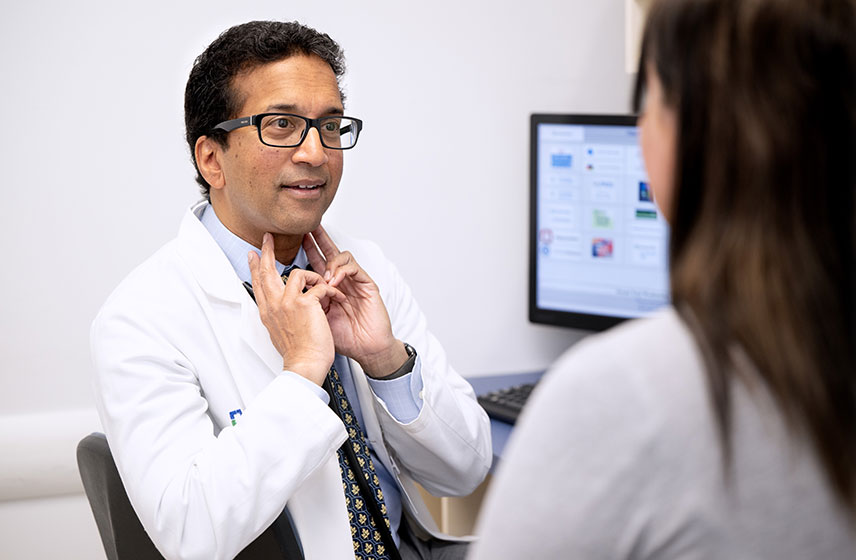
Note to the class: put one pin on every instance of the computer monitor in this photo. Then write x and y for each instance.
(598, 244)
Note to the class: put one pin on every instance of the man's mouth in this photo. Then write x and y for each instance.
(305, 186)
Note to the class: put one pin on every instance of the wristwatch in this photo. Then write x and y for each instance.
(406, 368)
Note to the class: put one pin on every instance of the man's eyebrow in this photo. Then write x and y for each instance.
(290, 108)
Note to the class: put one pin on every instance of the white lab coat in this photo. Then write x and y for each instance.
(179, 349)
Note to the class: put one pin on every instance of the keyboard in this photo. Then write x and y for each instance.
(506, 404)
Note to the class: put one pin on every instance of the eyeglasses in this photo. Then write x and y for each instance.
(286, 130)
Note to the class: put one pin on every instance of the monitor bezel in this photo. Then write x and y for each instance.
(584, 321)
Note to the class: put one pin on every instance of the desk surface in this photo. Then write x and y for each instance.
(500, 431)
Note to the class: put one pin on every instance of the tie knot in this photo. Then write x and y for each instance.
(286, 272)
(291, 268)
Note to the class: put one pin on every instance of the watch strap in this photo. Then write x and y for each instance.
(406, 368)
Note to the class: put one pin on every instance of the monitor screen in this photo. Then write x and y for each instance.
(598, 244)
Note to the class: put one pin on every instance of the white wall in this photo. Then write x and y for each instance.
(95, 175)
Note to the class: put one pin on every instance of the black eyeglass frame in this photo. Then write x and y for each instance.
(256, 120)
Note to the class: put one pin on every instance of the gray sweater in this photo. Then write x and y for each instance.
(617, 457)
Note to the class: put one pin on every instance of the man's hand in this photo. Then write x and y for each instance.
(295, 319)
(359, 322)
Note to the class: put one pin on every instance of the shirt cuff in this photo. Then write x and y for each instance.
(322, 394)
(402, 395)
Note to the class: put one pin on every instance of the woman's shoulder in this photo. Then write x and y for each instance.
(649, 369)
(644, 346)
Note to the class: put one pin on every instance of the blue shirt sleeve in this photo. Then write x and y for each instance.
(403, 395)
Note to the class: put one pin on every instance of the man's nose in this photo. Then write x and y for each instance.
(311, 150)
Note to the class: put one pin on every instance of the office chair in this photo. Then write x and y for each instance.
(122, 534)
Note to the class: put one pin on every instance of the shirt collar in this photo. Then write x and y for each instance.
(236, 249)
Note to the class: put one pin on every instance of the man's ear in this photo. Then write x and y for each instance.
(209, 154)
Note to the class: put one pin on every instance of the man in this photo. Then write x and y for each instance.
(214, 375)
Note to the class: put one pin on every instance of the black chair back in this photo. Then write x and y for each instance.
(122, 534)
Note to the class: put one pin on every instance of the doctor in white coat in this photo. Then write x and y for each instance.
(211, 402)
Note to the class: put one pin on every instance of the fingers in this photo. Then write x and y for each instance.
(295, 313)
(267, 282)
(299, 280)
(324, 293)
(344, 266)
(327, 260)
(305, 282)
(341, 266)
(328, 248)
(316, 259)
(256, 279)
(269, 279)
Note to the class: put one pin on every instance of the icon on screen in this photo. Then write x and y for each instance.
(561, 160)
(645, 194)
(545, 236)
(601, 247)
(601, 219)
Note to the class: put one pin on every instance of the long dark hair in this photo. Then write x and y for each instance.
(762, 233)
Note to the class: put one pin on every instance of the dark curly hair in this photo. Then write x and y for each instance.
(210, 97)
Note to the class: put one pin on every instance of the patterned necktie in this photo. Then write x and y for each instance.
(363, 510)
(363, 494)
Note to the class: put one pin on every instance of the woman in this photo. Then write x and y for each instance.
(724, 426)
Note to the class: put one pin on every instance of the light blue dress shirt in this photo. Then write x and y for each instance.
(401, 395)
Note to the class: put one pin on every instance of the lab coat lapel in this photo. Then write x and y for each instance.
(217, 279)
(257, 337)
(373, 430)
(409, 493)
(374, 433)
(208, 264)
